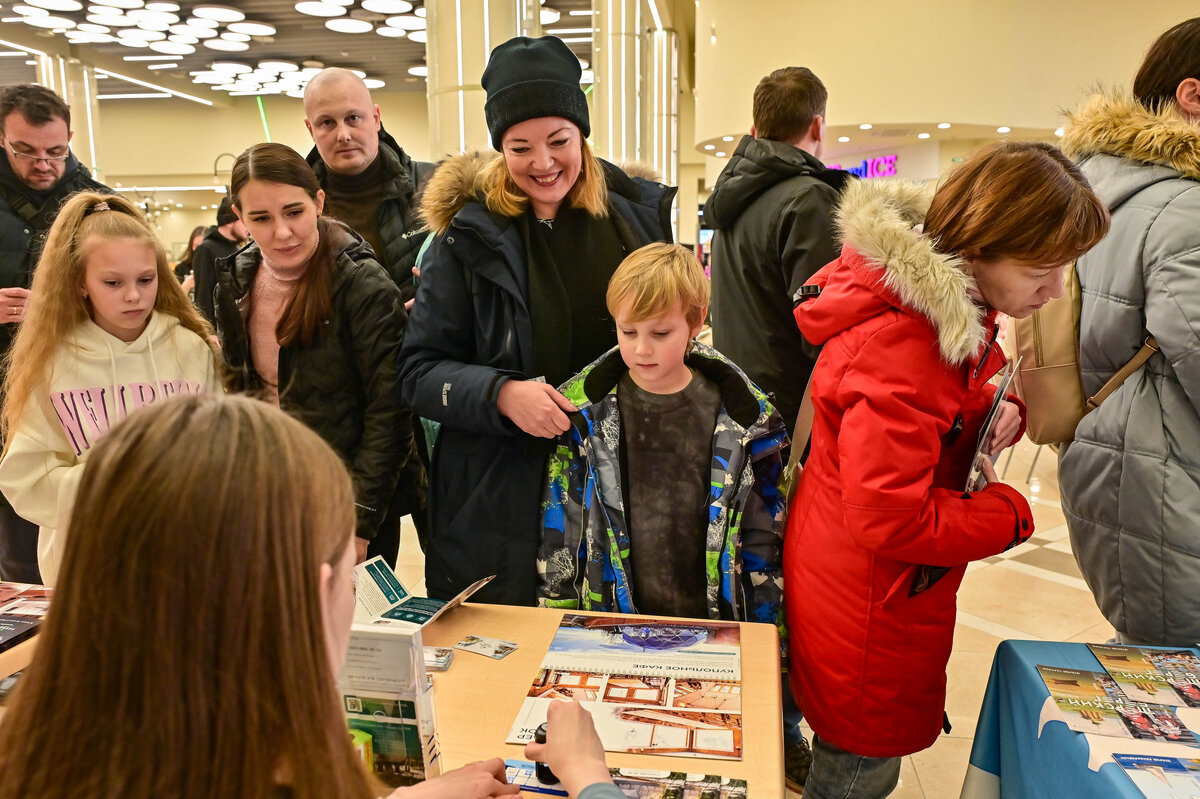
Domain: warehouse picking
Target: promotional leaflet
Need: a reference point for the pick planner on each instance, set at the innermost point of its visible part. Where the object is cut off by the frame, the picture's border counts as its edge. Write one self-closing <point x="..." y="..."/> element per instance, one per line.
<point x="652" y="686"/>
<point x="1092" y="702"/>
<point x="22" y="607"/>
<point x="639" y="783"/>
<point x="1145" y="674"/>
<point x="379" y="594"/>
<point x="1162" y="777"/>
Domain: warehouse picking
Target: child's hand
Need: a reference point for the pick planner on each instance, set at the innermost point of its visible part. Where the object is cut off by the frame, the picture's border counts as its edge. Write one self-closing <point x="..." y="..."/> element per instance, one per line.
<point x="536" y="408"/>
<point x="1008" y="422"/>
<point x="572" y="750"/>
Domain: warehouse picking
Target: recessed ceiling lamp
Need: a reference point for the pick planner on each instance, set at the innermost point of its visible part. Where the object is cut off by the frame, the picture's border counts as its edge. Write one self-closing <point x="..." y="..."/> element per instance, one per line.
<point x="91" y="27"/>
<point x="1059" y="132"/>
<point x="226" y="46"/>
<point x="388" y="6"/>
<point x="1004" y="129"/>
<point x="193" y="31"/>
<point x="420" y="71"/>
<point x="252" y="28"/>
<point x="583" y="64"/>
<point x="168" y="65"/>
<point x="726" y="138"/>
<point x="154" y="20"/>
<point x="349" y="25"/>
<point x="201" y="22"/>
<point x="418" y="36"/>
<point x="212" y="77"/>
<point x="162" y="6"/>
<point x="78" y="37"/>
<point x="124" y="4"/>
<point x="710" y="147"/>
<point x="865" y="126"/>
<point x="943" y="125"/>
<point x="149" y="57"/>
<point x="922" y="135"/>
<point x="113" y="20"/>
<point x="549" y="16"/>
<point x="216" y="13"/>
<point x="587" y="76"/>
<point x="297" y="93"/>
<point x="420" y="12"/>
<point x="394" y="33"/>
<point x="719" y="154"/>
<point x="101" y="9"/>
<point x="172" y="48"/>
<point x="278" y="66"/>
<point x="179" y="38"/>
<point x="408" y="23"/>
<point x="125" y="41"/>
<point x="320" y="8"/>
<point x="49" y="22"/>
<point x="230" y="67"/>
<point x="141" y="35"/>
<point x="57" y="5"/>
<point x="230" y="36"/>
<point x="31" y="11"/>
<point x="843" y="139"/>
<point x="374" y="83"/>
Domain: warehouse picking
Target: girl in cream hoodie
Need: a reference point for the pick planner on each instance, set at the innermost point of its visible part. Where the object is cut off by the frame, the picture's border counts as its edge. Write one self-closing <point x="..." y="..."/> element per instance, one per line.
<point x="108" y="330"/>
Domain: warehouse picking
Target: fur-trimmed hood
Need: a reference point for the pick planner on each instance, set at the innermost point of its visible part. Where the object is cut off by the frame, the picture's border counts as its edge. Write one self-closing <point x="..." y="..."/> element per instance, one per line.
<point x="888" y="263"/>
<point x="1119" y="125"/>
<point x="455" y="183"/>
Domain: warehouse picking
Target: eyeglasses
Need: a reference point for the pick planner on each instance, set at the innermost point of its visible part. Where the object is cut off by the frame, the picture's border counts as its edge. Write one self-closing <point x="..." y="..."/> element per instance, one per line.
<point x="49" y="159"/>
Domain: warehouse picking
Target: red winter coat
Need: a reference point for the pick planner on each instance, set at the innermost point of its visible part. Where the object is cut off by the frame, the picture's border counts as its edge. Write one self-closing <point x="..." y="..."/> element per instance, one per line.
<point x="899" y="392"/>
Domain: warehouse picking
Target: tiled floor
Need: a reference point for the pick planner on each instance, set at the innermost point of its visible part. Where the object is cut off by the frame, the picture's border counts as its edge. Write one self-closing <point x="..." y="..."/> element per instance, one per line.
<point x="1032" y="592"/>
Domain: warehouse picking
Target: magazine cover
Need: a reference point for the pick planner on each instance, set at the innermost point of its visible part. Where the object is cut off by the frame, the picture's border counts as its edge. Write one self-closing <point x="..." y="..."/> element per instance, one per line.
<point x="22" y="607"/>
<point x="639" y="783"/>
<point x="1162" y="676"/>
<point x="1092" y="702"/>
<point x="1162" y="777"/>
<point x="667" y="688"/>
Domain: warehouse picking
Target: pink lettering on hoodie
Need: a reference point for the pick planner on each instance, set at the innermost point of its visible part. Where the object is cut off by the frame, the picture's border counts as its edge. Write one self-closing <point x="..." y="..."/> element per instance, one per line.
<point x="84" y="415"/>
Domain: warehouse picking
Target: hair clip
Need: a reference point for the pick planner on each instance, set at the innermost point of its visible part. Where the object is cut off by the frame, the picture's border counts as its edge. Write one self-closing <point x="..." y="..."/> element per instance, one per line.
<point x="100" y="206"/>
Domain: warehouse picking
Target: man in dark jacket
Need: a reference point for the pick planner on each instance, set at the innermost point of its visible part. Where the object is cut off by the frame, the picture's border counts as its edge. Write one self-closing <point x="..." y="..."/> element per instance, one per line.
<point x="773" y="209"/>
<point x="371" y="185"/>
<point x="221" y="242"/>
<point x="37" y="173"/>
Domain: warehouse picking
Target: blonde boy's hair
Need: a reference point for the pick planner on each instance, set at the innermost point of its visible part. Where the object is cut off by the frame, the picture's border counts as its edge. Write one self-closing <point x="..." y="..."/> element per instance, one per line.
<point x="658" y="279"/>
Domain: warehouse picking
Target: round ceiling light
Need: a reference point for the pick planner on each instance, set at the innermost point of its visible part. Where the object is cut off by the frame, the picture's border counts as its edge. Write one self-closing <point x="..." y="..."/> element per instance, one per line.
<point x="172" y="48"/>
<point x="114" y="21"/>
<point x="252" y="28"/>
<point x="49" y="22"/>
<point x="349" y="25"/>
<point x="549" y="16"/>
<point x="420" y="71"/>
<point x="101" y="9"/>
<point x="387" y="6"/>
<point x="161" y="20"/>
<point x="278" y="66"/>
<point x="162" y="6"/>
<point x="141" y="35"/>
<point x="229" y="36"/>
<point x="230" y="67"/>
<point x="181" y="38"/>
<point x="318" y="8"/>
<point x="212" y="77"/>
<point x="407" y="23"/>
<point x="91" y="27"/>
<point x="394" y="33"/>
<point x="297" y="93"/>
<point x="418" y="36"/>
<point x="77" y="37"/>
<point x="374" y="83"/>
<point x="420" y="12"/>
<point x="218" y="13"/>
<point x="127" y="42"/>
<point x="194" y="32"/>
<point x="31" y="11"/>
<point x="226" y="46"/>
<point x="124" y="4"/>
<point x="201" y="22"/>
<point x="57" y="5"/>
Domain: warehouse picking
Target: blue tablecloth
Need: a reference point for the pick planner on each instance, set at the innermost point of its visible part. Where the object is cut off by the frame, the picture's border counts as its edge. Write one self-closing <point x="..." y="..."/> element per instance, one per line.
<point x="1009" y="759"/>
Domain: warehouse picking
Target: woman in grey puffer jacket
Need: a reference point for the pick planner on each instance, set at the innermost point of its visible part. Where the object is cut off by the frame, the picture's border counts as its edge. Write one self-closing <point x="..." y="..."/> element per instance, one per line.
<point x="1130" y="480"/>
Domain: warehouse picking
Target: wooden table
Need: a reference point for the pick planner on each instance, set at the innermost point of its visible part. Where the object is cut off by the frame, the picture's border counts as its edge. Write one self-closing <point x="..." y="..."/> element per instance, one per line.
<point x="477" y="700"/>
<point x="17" y="658"/>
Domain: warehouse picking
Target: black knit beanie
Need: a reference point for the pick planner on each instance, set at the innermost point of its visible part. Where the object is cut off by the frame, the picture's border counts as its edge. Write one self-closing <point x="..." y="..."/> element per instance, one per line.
<point x="531" y="78"/>
<point x="225" y="213"/>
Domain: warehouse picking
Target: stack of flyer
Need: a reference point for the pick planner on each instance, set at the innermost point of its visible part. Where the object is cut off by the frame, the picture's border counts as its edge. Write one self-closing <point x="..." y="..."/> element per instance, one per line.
<point x="386" y="693"/>
<point x="22" y="607"/>
<point x="652" y="686"/>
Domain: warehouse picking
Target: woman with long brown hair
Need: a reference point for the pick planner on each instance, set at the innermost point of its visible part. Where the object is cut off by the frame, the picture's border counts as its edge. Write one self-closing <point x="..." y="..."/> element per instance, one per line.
<point x="203" y="612"/>
<point x="310" y="321"/>
<point x="512" y="304"/>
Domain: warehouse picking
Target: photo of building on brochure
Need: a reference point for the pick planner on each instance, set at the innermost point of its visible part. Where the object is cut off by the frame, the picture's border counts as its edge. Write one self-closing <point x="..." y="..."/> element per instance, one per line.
<point x="1162" y="676"/>
<point x="397" y="757"/>
<point x="666" y="688"/>
<point x="640" y="783"/>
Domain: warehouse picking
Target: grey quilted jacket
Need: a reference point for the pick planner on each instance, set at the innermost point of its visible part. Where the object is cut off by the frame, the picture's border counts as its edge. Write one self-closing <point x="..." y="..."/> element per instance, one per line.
<point x="1130" y="480"/>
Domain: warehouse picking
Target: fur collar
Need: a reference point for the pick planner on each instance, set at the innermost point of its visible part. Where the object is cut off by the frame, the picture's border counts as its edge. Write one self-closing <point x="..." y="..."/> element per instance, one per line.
<point x="454" y="184"/>
<point x="1119" y="125"/>
<point x="876" y="218"/>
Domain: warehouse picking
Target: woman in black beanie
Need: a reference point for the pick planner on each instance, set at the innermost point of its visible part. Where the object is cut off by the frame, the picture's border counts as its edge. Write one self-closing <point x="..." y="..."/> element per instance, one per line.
<point x="512" y="304"/>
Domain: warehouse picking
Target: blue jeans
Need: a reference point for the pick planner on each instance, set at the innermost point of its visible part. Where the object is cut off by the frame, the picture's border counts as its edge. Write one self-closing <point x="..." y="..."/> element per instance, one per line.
<point x="838" y="774"/>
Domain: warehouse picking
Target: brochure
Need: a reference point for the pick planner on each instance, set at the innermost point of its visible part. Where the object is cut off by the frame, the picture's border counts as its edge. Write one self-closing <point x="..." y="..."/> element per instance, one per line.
<point x="1162" y="676"/>
<point x="1162" y="777"/>
<point x="640" y="783"/>
<point x="652" y="686"/>
<point x="379" y="594"/>
<point x="1092" y="702"/>
<point x="975" y="476"/>
<point x="22" y="607"/>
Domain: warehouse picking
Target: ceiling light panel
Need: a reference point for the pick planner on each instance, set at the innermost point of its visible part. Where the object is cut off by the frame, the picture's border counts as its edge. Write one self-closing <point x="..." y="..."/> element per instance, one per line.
<point x="172" y="48"/>
<point x="49" y="22"/>
<point x="202" y="22"/>
<point x="57" y="5"/>
<point x="349" y="25"/>
<point x="217" y="13"/>
<point x="229" y="36"/>
<point x="394" y="33"/>
<point x="111" y="20"/>
<point x="30" y="11"/>
<point x="408" y="23"/>
<point x="230" y="67"/>
<point x="226" y="46"/>
<point x="142" y="35"/>
<point x="252" y="28"/>
<point x="278" y="66"/>
<point x="388" y="6"/>
<point x="91" y="27"/>
<point x="319" y="8"/>
<point x="162" y="6"/>
<point x="124" y="4"/>
<point x="417" y="36"/>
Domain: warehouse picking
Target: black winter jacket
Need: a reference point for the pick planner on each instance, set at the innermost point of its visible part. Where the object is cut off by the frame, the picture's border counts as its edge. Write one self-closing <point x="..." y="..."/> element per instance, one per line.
<point x="213" y="247"/>
<point x="470" y="333"/>
<point x="773" y="210"/>
<point x="24" y="223"/>
<point x="344" y="385"/>
<point x="400" y="227"/>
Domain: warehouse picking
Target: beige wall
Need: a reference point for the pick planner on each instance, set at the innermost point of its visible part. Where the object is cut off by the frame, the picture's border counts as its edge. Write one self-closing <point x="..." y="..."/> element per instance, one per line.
<point x="963" y="61"/>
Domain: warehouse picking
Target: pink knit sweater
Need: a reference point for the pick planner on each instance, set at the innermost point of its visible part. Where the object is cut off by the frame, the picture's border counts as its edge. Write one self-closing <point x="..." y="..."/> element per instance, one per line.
<point x="273" y="289"/>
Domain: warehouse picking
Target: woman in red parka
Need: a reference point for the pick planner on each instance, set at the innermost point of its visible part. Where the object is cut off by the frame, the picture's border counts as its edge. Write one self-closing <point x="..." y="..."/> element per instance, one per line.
<point x="881" y="530"/>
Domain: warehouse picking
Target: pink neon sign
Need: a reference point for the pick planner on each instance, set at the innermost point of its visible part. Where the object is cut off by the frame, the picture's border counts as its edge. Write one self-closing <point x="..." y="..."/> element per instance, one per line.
<point x="882" y="167"/>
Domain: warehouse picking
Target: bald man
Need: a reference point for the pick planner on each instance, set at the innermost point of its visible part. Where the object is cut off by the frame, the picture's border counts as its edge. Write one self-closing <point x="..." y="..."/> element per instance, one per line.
<point x="370" y="183"/>
<point x="372" y="186"/>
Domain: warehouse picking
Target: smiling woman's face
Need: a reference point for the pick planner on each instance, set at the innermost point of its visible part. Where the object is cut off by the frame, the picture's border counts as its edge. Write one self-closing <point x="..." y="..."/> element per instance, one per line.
<point x="544" y="157"/>
<point x="282" y="219"/>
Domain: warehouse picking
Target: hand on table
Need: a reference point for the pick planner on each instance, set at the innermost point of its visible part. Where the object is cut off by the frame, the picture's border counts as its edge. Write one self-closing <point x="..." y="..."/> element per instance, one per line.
<point x="536" y="408"/>
<point x="481" y="780"/>
<point x="572" y="750"/>
<point x="1008" y="422"/>
<point x="12" y="304"/>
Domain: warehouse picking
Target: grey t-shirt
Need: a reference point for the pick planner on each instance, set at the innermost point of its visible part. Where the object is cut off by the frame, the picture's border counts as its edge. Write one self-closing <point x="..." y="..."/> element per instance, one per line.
<point x="668" y="462"/>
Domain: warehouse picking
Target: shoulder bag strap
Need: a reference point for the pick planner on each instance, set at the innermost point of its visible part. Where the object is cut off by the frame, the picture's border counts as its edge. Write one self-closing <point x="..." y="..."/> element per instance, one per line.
<point x="1148" y="348"/>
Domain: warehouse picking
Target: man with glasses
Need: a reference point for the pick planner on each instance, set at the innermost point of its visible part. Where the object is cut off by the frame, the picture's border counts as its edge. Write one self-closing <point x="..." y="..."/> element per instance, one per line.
<point x="37" y="173"/>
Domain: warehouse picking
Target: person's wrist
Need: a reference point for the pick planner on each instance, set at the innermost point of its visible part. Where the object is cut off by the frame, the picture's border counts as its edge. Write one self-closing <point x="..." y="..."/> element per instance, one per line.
<point x="581" y="775"/>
